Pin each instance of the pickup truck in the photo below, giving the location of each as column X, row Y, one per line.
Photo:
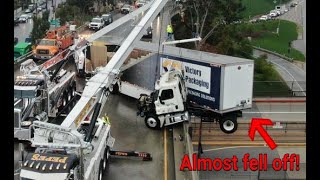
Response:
column 96, row 23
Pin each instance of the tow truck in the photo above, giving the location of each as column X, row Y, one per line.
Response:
column 67, row 151
column 41, row 92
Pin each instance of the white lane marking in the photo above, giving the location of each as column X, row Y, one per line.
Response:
column 290, row 75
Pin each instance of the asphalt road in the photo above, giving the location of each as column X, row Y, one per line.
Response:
column 288, row 71
column 129, row 131
column 213, row 152
column 23, row 30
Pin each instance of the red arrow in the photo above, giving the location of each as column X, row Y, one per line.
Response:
column 256, row 125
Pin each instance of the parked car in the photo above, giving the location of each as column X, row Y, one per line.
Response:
column 253, row 20
column 39, row 9
column 263, row 18
column 28, row 40
column 148, row 33
column 96, row 23
column 16, row 21
column 28, row 11
column 273, row 14
column 293, row 4
column 23, row 18
column 126, row 9
column 140, row 3
column 108, row 19
column 119, row 5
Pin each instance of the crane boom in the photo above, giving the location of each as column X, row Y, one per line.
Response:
column 107, row 75
column 84, row 43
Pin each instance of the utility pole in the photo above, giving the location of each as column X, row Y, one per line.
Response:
column 46, row 4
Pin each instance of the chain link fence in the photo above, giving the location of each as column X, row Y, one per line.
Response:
column 279, row 88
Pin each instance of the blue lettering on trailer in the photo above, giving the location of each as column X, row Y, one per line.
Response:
column 202, row 79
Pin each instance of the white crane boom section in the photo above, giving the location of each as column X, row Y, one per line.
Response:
column 107, row 75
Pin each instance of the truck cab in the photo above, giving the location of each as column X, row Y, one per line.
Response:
column 170, row 93
column 21, row 49
column 167, row 104
column 46, row 49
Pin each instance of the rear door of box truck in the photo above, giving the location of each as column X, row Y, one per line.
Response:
column 236, row 86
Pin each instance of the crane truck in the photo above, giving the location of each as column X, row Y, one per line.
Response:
column 67, row 151
column 41, row 92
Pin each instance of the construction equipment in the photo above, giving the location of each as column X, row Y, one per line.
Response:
column 41, row 92
column 67, row 151
column 55, row 41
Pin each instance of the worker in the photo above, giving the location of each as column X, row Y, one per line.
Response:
column 106, row 119
column 170, row 31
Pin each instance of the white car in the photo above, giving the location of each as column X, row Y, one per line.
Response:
column 273, row 14
column 28, row 11
column 96, row 23
column 39, row 8
column 23, row 18
column 126, row 9
column 263, row 18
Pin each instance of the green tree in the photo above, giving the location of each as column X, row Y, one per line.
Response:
column 204, row 17
column 40, row 27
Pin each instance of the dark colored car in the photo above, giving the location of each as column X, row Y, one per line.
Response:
column 148, row 33
column 108, row 19
column 15, row 40
column 16, row 21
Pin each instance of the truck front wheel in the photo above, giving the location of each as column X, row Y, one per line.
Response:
column 114, row 88
column 229, row 124
column 152, row 121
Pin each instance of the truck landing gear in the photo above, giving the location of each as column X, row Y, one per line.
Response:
column 229, row 124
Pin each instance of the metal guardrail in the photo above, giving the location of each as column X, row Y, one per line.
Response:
column 22, row 58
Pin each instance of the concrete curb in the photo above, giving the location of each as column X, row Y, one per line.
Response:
column 274, row 53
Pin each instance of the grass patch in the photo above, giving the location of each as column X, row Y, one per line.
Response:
column 271, row 89
column 267, row 81
column 267, row 38
column 259, row 7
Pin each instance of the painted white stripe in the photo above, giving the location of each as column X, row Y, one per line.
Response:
column 290, row 75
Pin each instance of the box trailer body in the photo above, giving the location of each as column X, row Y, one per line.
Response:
column 222, row 86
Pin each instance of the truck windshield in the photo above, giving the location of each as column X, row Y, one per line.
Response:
column 96, row 20
column 46, row 43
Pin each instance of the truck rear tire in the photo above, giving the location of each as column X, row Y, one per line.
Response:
column 152, row 121
column 114, row 88
column 100, row 170
column 106, row 159
column 229, row 124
